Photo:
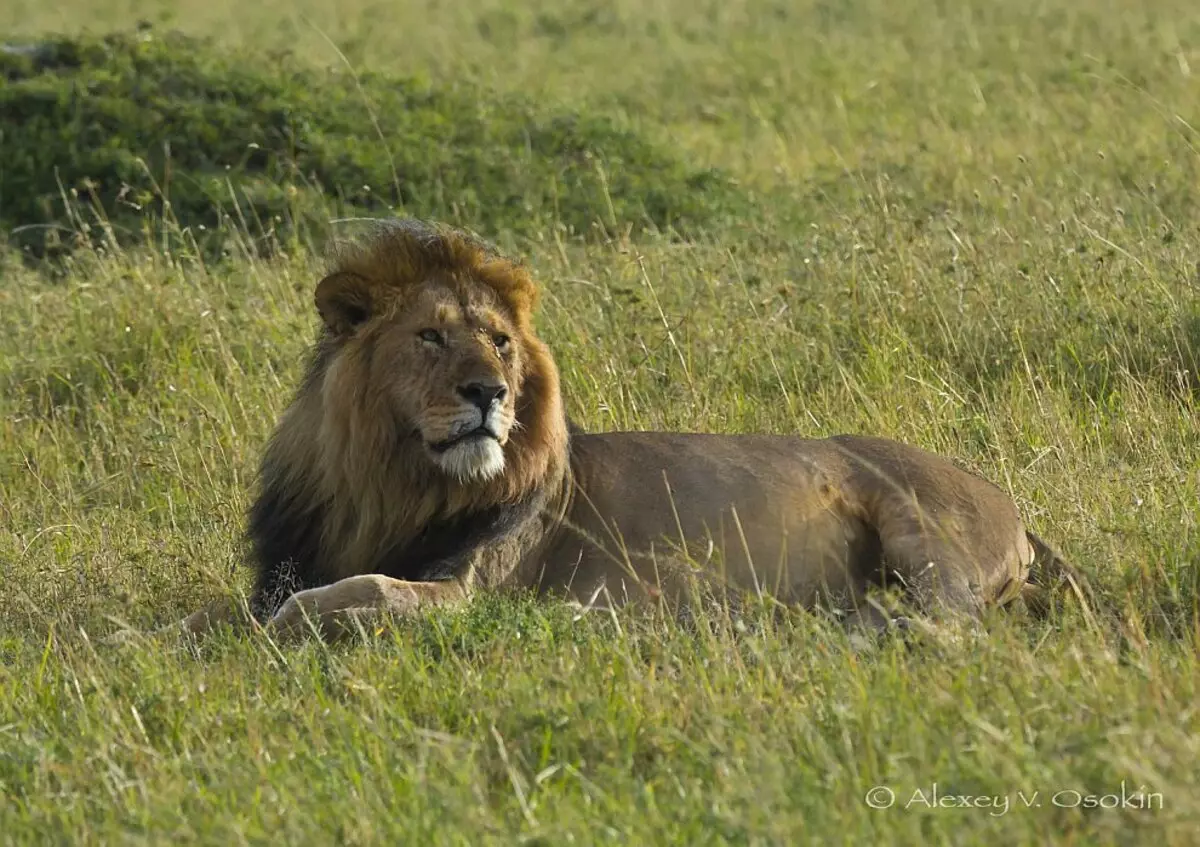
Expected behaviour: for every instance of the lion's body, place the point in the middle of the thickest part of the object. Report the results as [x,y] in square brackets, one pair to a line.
[427,457]
[803,520]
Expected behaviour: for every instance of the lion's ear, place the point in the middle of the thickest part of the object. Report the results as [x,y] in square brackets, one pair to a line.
[344,301]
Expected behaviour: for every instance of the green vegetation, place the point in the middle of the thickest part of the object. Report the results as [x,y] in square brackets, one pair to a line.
[973,228]
[120,135]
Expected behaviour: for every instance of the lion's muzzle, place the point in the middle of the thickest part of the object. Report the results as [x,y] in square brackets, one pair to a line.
[473,445]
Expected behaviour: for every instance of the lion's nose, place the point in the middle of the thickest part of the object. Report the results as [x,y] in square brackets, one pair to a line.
[483,394]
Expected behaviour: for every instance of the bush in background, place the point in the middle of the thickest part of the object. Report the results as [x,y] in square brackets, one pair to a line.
[114,135]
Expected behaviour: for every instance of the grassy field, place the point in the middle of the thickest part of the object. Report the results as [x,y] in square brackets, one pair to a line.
[973,228]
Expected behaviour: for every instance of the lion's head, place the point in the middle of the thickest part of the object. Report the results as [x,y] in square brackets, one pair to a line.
[438,335]
[430,394]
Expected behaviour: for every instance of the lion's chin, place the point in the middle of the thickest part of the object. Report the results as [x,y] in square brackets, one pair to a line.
[473,459]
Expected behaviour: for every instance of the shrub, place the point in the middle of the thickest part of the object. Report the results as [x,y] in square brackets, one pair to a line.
[134,129]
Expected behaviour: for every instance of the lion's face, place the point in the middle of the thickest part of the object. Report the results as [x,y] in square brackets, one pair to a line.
[441,359]
[449,361]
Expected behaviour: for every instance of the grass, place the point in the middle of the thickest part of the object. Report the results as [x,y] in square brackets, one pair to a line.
[115,139]
[975,232]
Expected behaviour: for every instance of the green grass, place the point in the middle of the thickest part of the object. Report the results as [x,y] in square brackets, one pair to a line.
[975,231]
[114,139]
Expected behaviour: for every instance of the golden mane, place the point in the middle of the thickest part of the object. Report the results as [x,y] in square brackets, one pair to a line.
[343,485]
[402,254]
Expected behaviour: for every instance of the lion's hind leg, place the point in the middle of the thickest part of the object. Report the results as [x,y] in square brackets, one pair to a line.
[940,577]
[950,579]
[922,597]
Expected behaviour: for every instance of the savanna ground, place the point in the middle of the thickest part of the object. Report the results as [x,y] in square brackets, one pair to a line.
[969,225]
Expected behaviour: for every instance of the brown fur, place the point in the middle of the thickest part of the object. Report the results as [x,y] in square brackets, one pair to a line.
[356,503]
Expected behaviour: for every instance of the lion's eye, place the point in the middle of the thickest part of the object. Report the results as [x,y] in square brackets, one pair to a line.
[501,341]
[432,336]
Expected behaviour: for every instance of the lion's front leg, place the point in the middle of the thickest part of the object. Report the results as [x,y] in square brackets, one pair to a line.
[336,610]
[232,611]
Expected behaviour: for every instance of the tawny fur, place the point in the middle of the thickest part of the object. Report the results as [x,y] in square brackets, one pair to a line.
[359,516]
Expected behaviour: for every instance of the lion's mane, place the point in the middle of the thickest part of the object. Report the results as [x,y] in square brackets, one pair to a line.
[343,490]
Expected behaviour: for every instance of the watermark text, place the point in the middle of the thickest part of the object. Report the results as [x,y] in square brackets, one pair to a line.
[935,796]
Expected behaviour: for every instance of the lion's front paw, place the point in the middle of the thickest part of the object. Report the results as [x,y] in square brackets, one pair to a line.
[337,610]
[292,620]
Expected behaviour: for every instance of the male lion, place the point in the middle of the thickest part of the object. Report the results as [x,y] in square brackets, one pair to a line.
[427,457]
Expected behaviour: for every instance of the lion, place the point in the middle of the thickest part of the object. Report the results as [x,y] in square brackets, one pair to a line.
[427,457]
